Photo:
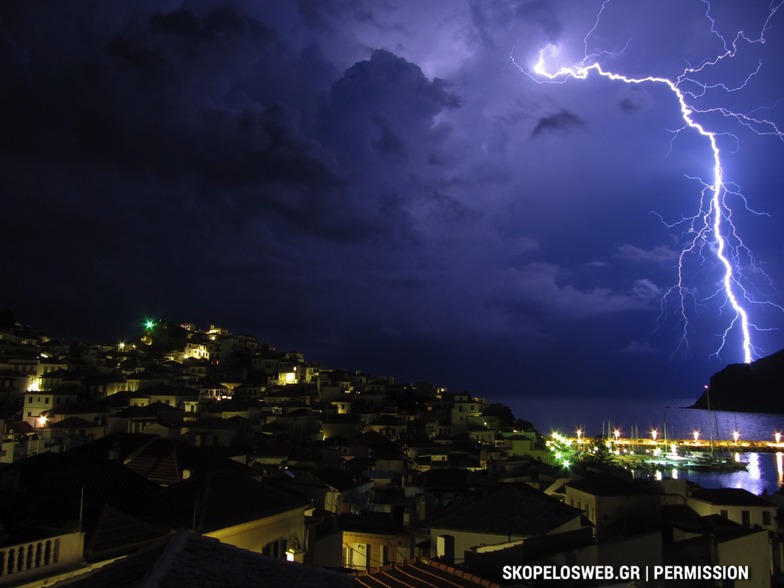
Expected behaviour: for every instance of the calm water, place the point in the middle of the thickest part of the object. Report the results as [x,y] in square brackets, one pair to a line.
[764,471]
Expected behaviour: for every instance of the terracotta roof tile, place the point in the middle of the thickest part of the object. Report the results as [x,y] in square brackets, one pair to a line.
[509,510]
[424,573]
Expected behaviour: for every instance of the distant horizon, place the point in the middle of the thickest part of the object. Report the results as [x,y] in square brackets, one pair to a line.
[489,395]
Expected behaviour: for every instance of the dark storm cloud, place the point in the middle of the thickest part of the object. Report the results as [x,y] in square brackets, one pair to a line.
[563,121]
[155,98]
[352,177]
[379,100]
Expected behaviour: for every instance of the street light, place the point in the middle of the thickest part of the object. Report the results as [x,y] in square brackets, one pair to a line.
[654,434]
[579,435]
[617,433]
[696,436]
[778,437]
[736,436]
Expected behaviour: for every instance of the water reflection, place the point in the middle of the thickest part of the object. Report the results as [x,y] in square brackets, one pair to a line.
[671,421]
[764,473]
[753,467]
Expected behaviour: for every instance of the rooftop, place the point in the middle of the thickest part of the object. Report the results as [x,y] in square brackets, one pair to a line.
[509,510]
[604,484]
[729,497]
[187,559]
[213,501]
[423,572]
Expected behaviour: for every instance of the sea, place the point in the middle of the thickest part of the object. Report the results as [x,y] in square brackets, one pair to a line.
[670,418]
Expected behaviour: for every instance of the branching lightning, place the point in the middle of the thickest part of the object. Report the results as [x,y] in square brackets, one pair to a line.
[711,228]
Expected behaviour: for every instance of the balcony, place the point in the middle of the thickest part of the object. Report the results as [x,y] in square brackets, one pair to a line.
[26,561]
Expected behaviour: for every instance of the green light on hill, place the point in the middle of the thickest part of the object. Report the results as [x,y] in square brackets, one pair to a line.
[149,324]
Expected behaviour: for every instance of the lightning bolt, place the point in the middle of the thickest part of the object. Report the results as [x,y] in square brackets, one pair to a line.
[711,227]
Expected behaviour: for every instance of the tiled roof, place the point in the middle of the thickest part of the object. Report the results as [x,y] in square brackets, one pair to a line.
[78,408]
[388,420]
[424,573]
[214,501]
[606,485]
[168,390]
[148,411]
[165,460]
[521,511]
[119,445]
[118,533]
[57,489]
[135,412]
[21,428]
[118,399]
[231,424]
[73,422]
[187,560]
[729,497]
[157,461]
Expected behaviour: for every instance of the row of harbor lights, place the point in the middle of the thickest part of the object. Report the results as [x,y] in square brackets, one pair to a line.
[655,434]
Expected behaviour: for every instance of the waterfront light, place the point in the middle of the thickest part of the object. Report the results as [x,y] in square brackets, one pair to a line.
[617,433]
[696,436]
[777,436]
[654,434]
[579,434]
[736,436]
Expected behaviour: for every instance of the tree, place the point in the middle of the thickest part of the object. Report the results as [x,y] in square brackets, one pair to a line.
[599,452]
[504,413]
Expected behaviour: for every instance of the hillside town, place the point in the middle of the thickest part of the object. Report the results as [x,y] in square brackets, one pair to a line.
[190,453]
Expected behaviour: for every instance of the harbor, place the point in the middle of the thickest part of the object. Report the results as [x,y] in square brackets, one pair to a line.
[652,454]
[648,444]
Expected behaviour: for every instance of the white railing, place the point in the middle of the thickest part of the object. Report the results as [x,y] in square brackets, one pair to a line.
[24,559]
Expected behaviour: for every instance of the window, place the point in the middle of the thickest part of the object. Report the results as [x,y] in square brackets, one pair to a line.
[725,513]
[46,400]
[746,518]
[766,517]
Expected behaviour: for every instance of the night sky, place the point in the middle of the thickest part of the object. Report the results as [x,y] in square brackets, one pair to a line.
[377,185]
